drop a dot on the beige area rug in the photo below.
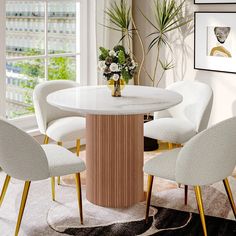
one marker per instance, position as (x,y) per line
(44,217)
(94,216)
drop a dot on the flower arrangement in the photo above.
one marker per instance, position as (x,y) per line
(116,63)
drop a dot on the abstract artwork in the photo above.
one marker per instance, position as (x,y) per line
(219,41)
(215,41)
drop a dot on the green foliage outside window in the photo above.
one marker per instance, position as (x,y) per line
(59,68)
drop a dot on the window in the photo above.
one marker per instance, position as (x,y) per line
(42,41)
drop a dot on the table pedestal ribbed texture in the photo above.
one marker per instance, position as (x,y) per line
(114,160)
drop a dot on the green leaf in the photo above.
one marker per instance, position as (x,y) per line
(126,76)
(167,65)
(168,17)
(119,48)
(119,14)
(104,53)
(121,57)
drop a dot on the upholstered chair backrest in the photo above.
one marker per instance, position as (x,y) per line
(45,112)
(21,156)
(196,98)
(210,156)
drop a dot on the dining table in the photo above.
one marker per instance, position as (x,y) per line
(114,137)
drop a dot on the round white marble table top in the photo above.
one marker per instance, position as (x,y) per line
(97,100)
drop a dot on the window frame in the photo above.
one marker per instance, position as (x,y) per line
(28,122)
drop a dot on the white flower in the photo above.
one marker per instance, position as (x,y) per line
(114,67)
(112,53)
(115,77)
(102,65)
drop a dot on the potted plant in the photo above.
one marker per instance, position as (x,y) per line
(168,18)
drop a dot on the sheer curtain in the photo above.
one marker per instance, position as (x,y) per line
(91,57)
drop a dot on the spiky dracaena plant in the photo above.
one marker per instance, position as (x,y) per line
(166,19)
(120,16)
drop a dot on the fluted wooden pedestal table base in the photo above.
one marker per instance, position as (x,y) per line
(114,143)
(114,160)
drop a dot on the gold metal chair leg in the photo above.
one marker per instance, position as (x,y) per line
(59,143)
(230,195)
(58,178)
(185,194)
(4,188)
(77,147)
(79,195)
(22,206)
(53,188)
(149,194)
(46,139)
(200,208)
(170,145)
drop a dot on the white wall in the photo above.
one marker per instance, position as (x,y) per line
(223,84)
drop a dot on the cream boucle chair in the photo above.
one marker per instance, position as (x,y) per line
(29,161)
(54,123)
(207,158)
(60,126)
(178,124)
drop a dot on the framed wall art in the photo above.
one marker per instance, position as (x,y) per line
(215,1)
(215,41)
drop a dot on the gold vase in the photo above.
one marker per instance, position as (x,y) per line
(116,87)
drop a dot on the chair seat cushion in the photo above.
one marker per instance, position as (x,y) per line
(61,161)
(170,130)
(66,129)
(163,165)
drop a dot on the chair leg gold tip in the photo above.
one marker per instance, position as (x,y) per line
(170,146)
(79,195)
(77,147)
(149,193)
(46,139)
(58,180)
(4,189)
(200,208)
(22,206)
(230,195)
(53,188)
